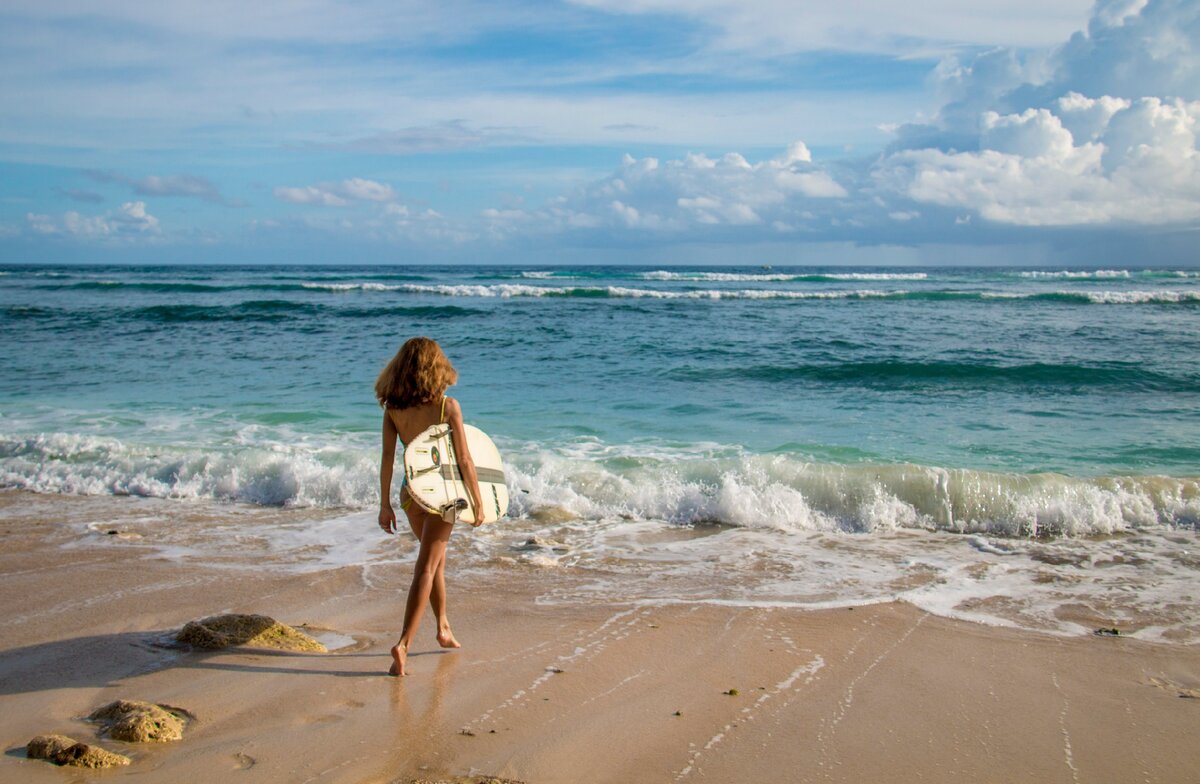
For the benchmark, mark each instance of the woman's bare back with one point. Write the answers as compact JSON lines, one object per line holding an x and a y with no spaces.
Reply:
{"x":411,"y":422}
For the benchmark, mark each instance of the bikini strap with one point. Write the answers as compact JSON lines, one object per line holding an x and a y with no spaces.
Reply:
{"x":442,"y":417}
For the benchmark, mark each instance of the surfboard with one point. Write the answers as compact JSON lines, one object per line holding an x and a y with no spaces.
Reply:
{"x":434,"y":482}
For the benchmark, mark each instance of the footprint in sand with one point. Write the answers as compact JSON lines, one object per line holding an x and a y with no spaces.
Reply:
{"x":1179,"y":689}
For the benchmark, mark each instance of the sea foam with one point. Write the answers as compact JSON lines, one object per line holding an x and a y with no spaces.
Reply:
{"x":596,"y":482}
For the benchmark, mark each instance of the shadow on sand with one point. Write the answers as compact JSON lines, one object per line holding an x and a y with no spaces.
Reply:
{"x":105,"y":660}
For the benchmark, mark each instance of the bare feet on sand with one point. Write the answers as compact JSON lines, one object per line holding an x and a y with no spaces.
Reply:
{"x":445,"y":638}
{"x":399,"y":655}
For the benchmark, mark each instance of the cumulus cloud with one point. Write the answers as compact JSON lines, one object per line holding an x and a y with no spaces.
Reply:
{"x":1103,"y":131}
{"x":1132,"y":49}
{"x":389,"y":223}
{"x":690,"y":192}
{"x":337,"y":194}
{"x":129,"y":221}
{"x":310,"y":194}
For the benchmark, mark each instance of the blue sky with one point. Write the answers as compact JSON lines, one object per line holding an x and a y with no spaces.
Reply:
{"x":601,"y":131}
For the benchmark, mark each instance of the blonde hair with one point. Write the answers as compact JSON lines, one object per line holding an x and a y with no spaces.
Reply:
{"x":419,"y":373}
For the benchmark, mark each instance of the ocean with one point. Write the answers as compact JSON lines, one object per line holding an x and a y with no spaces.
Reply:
{"x":1011,"y":446}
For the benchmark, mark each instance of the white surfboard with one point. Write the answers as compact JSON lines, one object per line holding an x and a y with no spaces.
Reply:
{"x":434,"y":482}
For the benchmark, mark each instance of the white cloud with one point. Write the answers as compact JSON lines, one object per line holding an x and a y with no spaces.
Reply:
{"x":1113,"y":13}
{"x":90,"y":226}
{"x":41,"y":224}
{"x":1102,"y":131}
{"x":1086,"y":118}
{"x":367,"y":190}
{"x":337,"y":194}
{"x":133,"y":215}
{"x":1132,"y":49}
{"x":130,"y":220}
{"x":380,"y":222}
{"x":1143,"y":168}
{"x":310,"y":194}
{"x":1035,"y":133}
{"x":690,"y":192}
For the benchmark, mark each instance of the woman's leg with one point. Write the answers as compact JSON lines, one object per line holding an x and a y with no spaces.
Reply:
{"x":437,"y":600}
{"x":437,"y":597}
{"x":435,"y":534}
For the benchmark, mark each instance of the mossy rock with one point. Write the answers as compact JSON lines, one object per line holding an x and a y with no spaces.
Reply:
{"x":141,"y":722}
{"x":46,"y":746}
{"x":62,"y":750}
{"x":256,"y":631}
{"x":85,"y":755}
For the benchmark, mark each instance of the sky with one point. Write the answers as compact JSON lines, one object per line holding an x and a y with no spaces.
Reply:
{"x":1022,"y":132}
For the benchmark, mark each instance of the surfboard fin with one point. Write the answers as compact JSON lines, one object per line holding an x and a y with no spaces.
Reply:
{"x":450,"y":511}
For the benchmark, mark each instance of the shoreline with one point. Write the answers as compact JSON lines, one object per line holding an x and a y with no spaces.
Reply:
{"x":555,"y":693}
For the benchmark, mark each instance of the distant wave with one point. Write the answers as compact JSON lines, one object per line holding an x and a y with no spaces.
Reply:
{"x":1140,"y":297}
{"x":353,"y":286}
{"x":33,"y":312}
{"x":207,"y":288}
{"x":1083,"y":275}
{"x":510,"y":290}
{"x":734,"y":277}
{"x":285,"y":310}
{"x":755,"y":491}
{"x":901,"y":374}
{"x":531,"y":290}
{"x":117,"y":285}
{"x":253,"y":311}
{"x":1112,"y":274}
{"x":259,"y":310}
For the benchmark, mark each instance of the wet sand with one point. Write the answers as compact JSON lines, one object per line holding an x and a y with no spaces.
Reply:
{"x":547,"y":693}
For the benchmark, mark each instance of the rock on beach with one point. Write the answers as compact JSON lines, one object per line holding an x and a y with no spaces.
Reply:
{"x":62,"y":750}
{"x":140,"y":722}
{"x":256,"y":631}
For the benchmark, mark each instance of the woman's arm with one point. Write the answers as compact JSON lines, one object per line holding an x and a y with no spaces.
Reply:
{"x":466,"y":466}
{"x":387,"y":517}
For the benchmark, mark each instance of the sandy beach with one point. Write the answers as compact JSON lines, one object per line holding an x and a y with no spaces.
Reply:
{"x":550,"y":693}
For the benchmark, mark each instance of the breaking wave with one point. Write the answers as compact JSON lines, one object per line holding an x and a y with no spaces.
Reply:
{"x":589,"y":481}
{"x":513,"y":290}
{"x":823,"y":277}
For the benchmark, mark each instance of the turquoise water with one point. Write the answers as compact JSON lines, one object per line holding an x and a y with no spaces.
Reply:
{"x":1011,"y":446}
{"x":952,"y":391}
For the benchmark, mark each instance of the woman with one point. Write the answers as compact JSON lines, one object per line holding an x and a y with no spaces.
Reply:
{"x":412,"y":391}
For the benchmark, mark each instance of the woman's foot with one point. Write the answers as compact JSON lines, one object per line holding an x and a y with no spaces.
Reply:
{"x":445,"y":638}
{"x":399,"y":656}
